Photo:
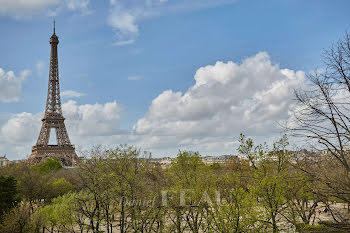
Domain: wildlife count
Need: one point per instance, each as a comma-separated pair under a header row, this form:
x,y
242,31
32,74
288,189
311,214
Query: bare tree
x,y
323,118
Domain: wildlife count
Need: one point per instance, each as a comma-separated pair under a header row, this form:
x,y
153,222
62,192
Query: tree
x,y
58,187
59,216
49,165
8,194
322,118
190,177
137,188
271,175
17,219
237,211
301,200
119,190
34,186
96,190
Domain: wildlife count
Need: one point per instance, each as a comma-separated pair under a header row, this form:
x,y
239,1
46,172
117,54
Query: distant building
x,y
18,161
209,160
164,162
4,161
147,154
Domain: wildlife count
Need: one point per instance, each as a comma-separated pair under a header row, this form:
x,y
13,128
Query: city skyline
x,y
160,75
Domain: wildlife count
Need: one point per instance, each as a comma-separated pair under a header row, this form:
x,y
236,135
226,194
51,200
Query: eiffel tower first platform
x,y
53,119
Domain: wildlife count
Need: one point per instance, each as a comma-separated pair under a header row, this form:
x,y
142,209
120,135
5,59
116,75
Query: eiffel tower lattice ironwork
x,y
53,119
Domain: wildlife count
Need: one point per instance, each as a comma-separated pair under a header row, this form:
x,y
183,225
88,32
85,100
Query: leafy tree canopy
x,y
48,165
8,193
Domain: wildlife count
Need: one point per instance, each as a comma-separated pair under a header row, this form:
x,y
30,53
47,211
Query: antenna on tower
x,y
54,26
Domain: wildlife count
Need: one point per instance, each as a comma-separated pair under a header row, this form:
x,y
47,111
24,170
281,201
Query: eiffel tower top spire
x,y
54,38
53,103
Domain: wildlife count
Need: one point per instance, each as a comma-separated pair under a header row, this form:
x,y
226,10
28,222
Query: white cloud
x,y
21,128
11,85
92,119
81,6
22,8
125,15
72,94
226,99
124,42
78,5
123,21
27,8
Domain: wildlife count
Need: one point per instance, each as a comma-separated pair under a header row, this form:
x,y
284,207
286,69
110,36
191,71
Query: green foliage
x,y
237,211
187,170
34,185
271,176
115,190
59,215
191,194
8,193
253,153
190,175
17,220
48,165
116,184
58,187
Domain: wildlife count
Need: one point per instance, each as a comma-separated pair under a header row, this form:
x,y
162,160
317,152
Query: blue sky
x,y
129,58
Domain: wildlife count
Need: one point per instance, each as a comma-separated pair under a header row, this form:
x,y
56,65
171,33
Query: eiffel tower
x,y
53,119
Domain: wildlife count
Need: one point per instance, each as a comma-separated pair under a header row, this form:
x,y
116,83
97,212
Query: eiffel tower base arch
x,y
66,154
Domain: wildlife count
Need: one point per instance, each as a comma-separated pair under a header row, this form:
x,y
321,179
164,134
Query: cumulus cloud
x,y
11,85
226,99
72,94
21,128
92,119
125,15
28,8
